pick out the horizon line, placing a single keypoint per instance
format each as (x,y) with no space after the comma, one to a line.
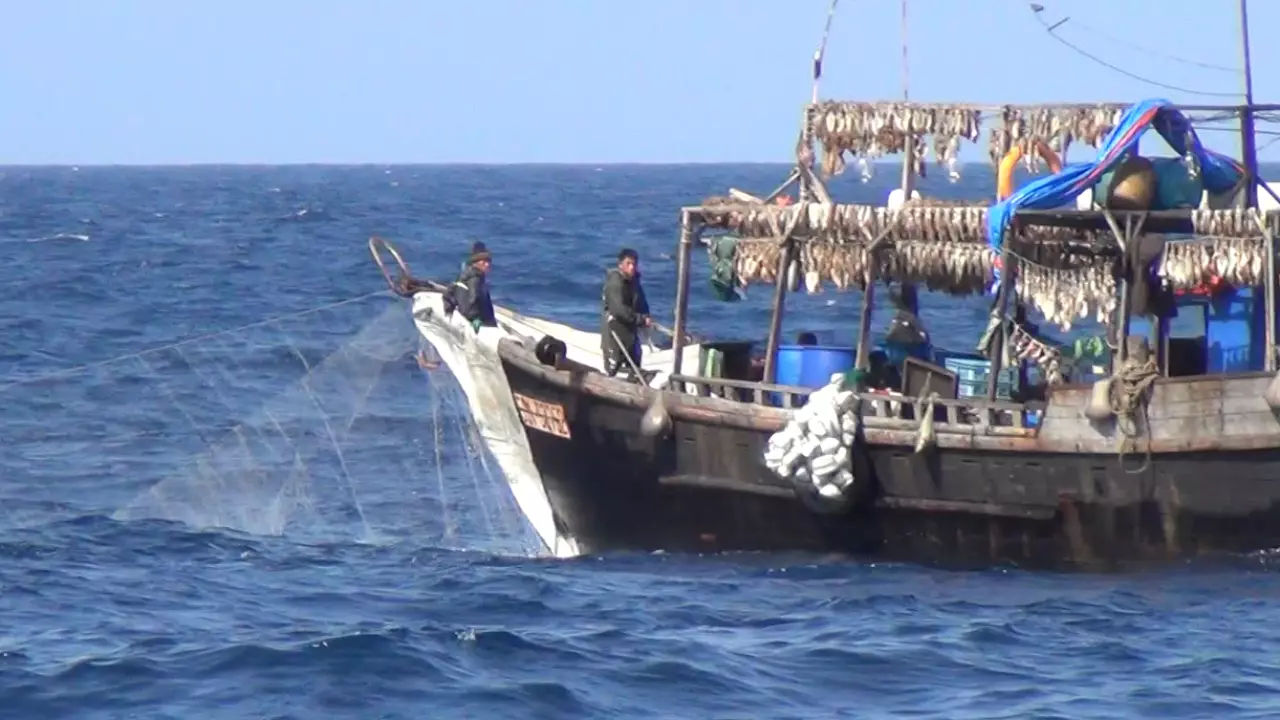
(375,163)
(463,164)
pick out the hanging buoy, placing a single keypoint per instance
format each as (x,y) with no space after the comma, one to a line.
(550,351)
(925,437)
(1272,395)
(656,422)
(1099,408)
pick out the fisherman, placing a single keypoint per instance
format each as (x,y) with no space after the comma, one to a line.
(906,336)
(469,294)
(625,312)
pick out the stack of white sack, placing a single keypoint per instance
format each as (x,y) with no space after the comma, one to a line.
(814,446)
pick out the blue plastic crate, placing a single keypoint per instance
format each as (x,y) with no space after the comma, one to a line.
(973,373)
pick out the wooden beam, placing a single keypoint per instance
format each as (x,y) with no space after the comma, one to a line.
(780,297)
(997,343)
(862,359)
(683,256)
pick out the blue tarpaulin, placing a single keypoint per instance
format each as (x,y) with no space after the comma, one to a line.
(1220,172)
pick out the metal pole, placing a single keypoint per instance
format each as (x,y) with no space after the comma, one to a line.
(822,50)
(908,152)
(908,157)
(1248,146)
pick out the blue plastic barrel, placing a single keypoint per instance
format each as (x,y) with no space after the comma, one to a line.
(811,366)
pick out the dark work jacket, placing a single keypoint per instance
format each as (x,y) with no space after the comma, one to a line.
(469,295)
(624,304)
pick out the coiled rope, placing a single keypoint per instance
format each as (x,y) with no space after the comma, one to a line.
(1131,389)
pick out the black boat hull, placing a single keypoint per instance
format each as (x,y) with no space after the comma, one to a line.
(703,487)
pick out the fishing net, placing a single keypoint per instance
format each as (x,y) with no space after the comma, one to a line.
(285,427)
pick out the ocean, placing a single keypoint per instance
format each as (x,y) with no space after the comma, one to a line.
(227,490)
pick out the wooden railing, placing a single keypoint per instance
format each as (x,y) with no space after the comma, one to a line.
(756,393)
(965,412)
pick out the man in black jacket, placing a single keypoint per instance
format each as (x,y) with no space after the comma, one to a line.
(625,311)
(469,294)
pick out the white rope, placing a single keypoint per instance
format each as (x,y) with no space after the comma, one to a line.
(328,429)
(450,531)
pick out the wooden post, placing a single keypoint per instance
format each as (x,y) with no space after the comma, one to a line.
(863,358)
(997,343)
(1270,294)
(683,256)
(805,157)
(1006,138)
(1121,320)
(779,305)
(1162,345)
(786,254)
(1268,229)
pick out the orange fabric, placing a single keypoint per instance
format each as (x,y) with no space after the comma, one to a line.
(1004,179)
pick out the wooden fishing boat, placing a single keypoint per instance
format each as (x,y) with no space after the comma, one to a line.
(1170,452)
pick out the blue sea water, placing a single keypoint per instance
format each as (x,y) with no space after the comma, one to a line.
(288,518)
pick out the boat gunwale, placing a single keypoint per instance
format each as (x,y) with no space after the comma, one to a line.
(733,414)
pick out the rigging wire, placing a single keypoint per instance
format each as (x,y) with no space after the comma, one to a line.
(1038,10)
(1142,48)
(906,95)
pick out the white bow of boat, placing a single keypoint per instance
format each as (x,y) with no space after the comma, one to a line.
(472,358)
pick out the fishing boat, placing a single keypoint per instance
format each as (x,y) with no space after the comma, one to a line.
(1157,446)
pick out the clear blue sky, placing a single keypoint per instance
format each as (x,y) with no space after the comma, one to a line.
(282,81)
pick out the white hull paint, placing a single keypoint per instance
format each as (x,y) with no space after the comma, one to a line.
(473,359)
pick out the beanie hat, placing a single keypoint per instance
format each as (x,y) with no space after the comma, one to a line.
(479,252)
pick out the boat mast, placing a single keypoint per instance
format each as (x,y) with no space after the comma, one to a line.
(908,165)
(1249,153)
(908,154)
(1248,143)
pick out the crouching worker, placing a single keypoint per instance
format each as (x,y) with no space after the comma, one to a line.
(469,294)
(625,312)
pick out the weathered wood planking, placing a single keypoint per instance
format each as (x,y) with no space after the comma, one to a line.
(1191,409)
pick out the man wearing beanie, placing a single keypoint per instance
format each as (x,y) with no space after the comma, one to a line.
(625,311)
(469,294)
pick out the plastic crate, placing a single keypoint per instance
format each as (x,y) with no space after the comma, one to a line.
(973,372)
